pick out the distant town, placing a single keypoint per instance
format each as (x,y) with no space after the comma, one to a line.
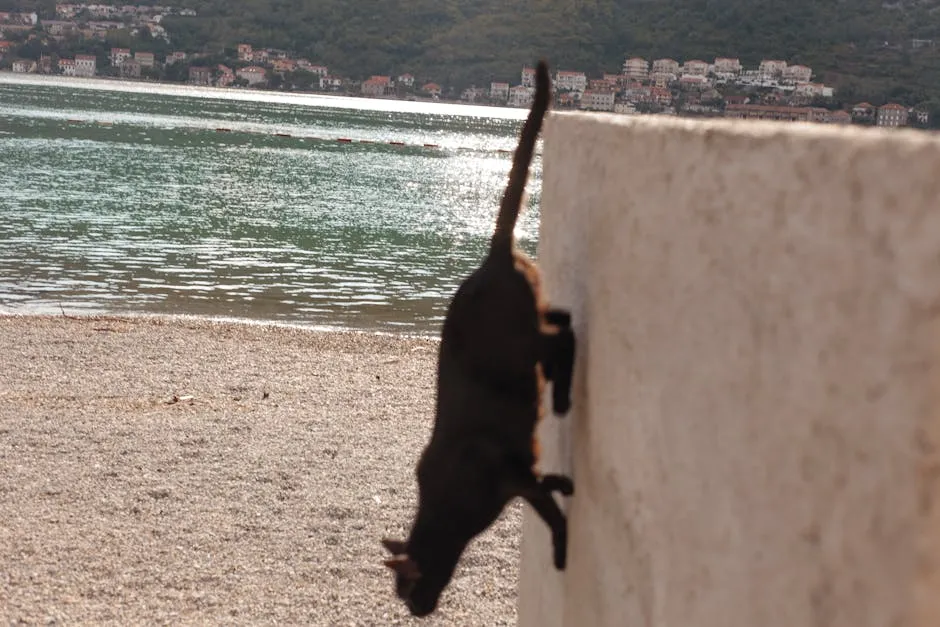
(775,89)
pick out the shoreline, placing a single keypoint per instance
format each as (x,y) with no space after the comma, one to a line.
(314,99)
(185,470)
(221,320)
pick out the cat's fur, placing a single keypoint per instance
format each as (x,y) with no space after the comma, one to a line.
(499,344)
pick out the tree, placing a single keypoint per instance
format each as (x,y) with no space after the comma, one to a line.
(275,80)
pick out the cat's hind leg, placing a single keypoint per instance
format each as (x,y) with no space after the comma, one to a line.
(557,357)
(539,495)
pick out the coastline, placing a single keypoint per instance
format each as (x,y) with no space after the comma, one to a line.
(406,333)
(192,470)
(316,99)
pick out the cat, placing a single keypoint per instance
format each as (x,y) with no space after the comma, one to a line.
(499,344)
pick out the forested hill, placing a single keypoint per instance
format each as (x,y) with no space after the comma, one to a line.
(861,46)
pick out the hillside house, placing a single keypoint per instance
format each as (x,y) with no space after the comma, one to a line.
(597,100)
(570,81)
(777,112)
(812,90)
(67,67)
(225,76)
(863,111)
(693,81)
(175,57)
(797,74)
(474,94)
(24,66)
(200,75)
(636,67)
(245,53)
(406,80)
(377,86)
(130,68)
(727,66)
(284,65)
(86,65)
(695,67)
(528,77)
(665,66)
(624,108)
(145,59)
(67,11)
(771,68)
(520,96)
(892,115)
(252,74)
(660,95)
(840,117)
(432,89)
(603,84)
(58,28)
(119,55)
(499,92)
(330,83)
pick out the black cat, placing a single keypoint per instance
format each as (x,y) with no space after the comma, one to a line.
(499,344)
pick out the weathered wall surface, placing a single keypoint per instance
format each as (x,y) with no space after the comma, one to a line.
(757,399)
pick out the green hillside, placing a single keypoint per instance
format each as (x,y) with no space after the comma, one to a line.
(458,42)
(863,47)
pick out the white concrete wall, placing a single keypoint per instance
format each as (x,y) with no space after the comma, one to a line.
(756,422)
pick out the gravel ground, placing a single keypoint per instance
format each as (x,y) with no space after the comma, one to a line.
(261,499)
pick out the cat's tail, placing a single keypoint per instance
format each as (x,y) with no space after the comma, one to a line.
(512,197)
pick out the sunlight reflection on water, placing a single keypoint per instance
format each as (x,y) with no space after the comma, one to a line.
(159,212)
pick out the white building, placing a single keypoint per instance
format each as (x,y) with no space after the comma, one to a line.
(570,81)
(23,66)
(85,65)
(597,100)
(626,108)
(474,94)
(144,58)
(892,114)
(499,92)
(330,83)
(813,90)
(175,57)
(528,76)
(665,66)
(253,74)
(119,55)
(694,67)
(797,73)
(771,68)
(637,68)
(67,67)
(726,66)
(520,96)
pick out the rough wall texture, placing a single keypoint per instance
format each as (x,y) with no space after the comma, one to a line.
(755,426)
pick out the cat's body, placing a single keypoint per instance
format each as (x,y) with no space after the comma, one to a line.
(499,344)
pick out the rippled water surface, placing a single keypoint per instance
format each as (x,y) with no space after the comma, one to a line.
(117,198)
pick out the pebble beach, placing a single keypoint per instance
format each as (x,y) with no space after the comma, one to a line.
(162,470)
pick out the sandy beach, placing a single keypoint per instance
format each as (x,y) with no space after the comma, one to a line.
(181,471)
